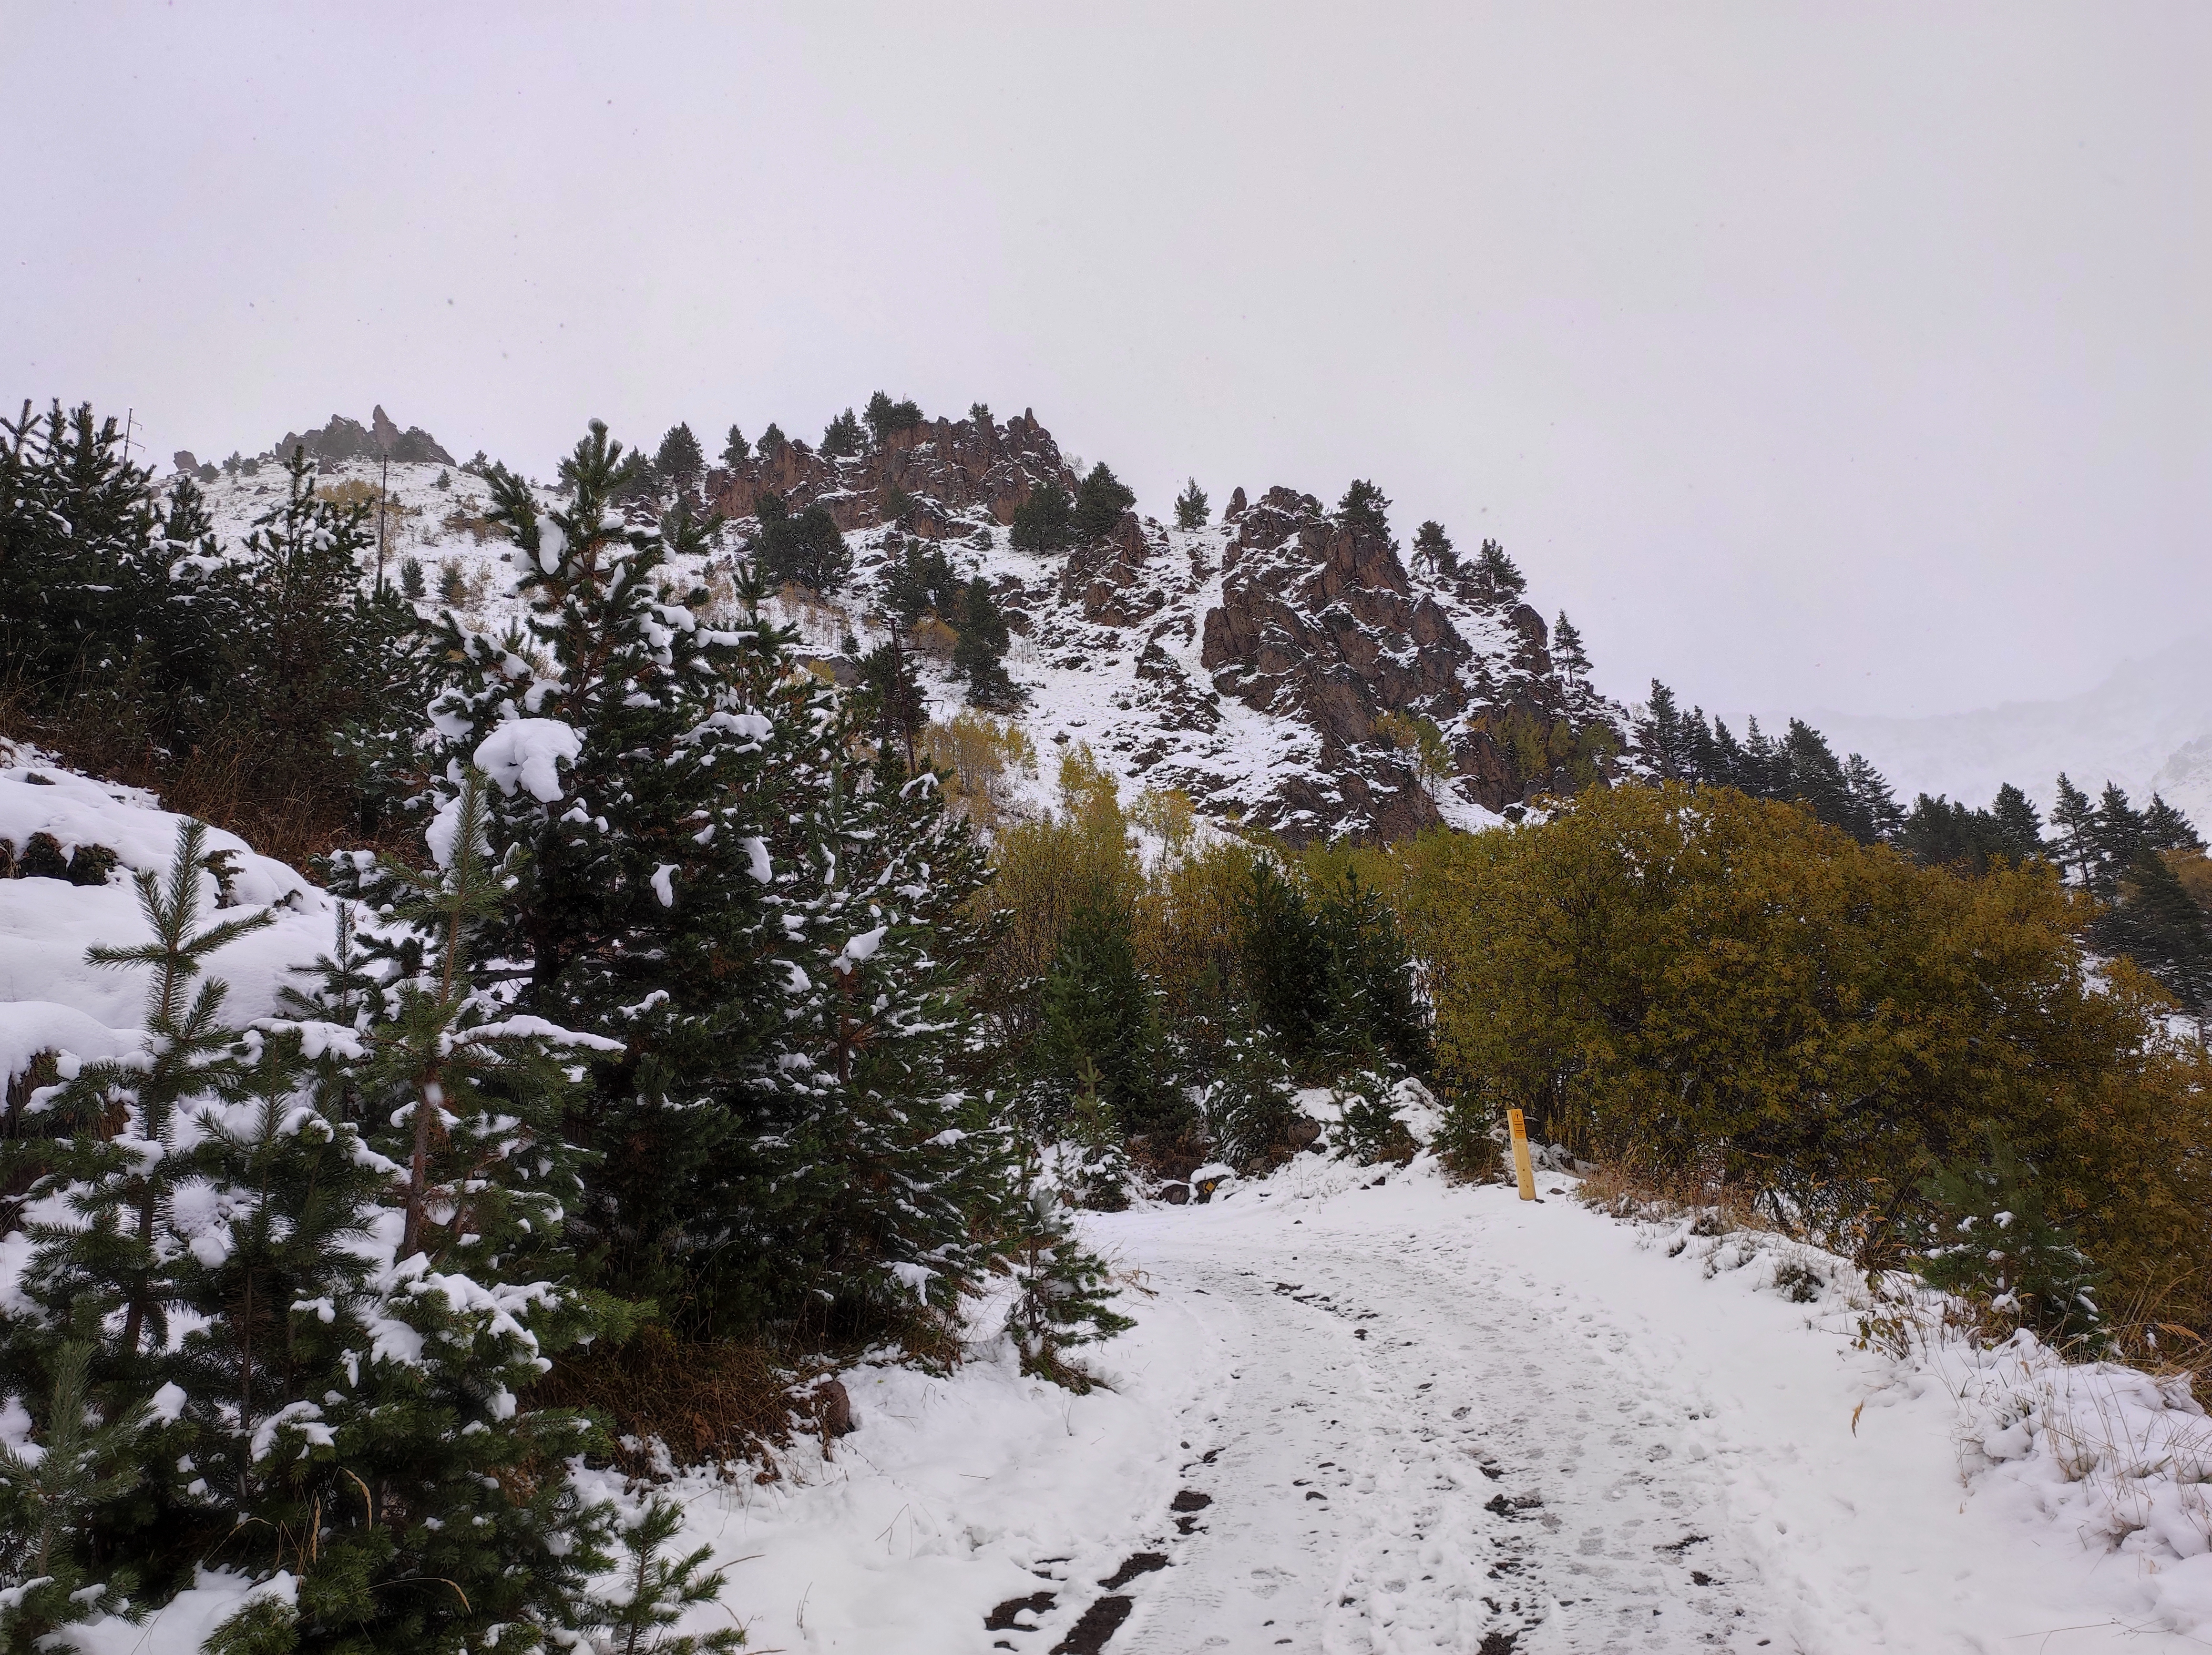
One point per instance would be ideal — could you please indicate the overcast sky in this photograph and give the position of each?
(1809, 356)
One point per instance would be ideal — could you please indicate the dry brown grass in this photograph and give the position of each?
(226, 784)
(1631, 1193)
(708, 1404)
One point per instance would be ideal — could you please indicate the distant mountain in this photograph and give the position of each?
(2147, 727)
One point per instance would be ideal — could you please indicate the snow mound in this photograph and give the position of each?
(51, 996)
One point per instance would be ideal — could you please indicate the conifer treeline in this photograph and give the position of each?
(2140, 863)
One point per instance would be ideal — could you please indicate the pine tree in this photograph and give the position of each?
(47, 1501)
(892, 705)
(763, 928)
(2118, 835)
(1730, 765)
(1369, 1129)
(886, 417)
(1045, 522)
(2165, 829)
(641, 761)
(1062, 1294)
(1701, 751)
(1286, 964)
(807, 549)
(1099, 1010)
(2018, 824)
(1099, 503)
(1567, 650)
(1993, 1237)
(980, 655)
(1191, 508)
(74, 514)
(1815, 780)
(1246, 1106)
(2075, 820)
(655, 1589)
(1662, 737)
(841, 437)
(1874, 812)
(1433, 547)
(980, 415)
(773, 441)
(1765, 771)
(680, 460)
(2160, 926)
(894, 1180)
(1093, 1169)
(736, 451)
(308, 653)
(1501, 579)
(1364, 510)
(311, 1402)
(1374, 1014)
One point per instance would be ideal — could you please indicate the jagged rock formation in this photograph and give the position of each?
(947, 468)
(1252, 664)
(343, 439)
(1323, 623)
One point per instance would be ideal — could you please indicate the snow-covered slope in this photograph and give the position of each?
(1249, 664)
(48, 994)
(2148, 727)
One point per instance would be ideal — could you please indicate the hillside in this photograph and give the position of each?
(1245, 663)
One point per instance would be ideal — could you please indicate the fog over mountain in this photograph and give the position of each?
(2148, 727)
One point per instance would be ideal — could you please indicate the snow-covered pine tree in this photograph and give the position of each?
(304, 1397)
(50, 1489)
(74, 515)
(653, 1590)
(1991, 1236)
(894, 1180)
(1092, 1159)
(1062, 1294)
(465, 1297)
(1246, 1106)
(639, 757)
(317, 671)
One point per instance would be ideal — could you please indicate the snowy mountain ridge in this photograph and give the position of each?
(1274, 666)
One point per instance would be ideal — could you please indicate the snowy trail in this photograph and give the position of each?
(1412, 1457)
(1364, 1418)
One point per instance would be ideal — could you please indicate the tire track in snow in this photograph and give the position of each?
(1417, 1452)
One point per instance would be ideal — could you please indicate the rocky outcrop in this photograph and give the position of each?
(1321, 623)
(946, 469)
(1287, 672)
(344, 439)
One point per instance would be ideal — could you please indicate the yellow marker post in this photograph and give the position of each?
(1522, 1168)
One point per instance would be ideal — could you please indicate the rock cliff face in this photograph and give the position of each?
(950, 468)
(1278, 667)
